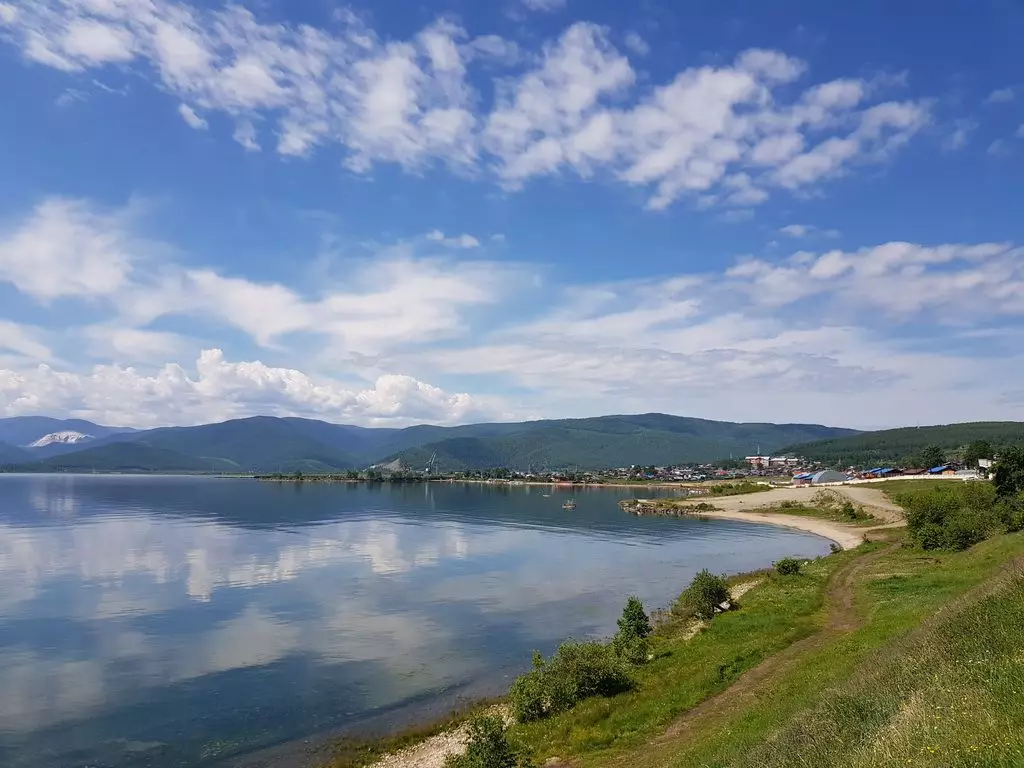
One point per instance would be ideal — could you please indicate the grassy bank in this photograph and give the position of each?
(831, 654)
(884, 655)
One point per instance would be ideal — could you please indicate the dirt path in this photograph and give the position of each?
(744, 691)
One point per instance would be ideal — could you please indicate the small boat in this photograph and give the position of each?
(570, 504)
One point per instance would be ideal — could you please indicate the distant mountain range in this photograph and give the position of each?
(265, 444)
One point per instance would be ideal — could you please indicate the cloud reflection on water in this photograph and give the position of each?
(235, 599)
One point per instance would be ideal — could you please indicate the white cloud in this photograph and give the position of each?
(132, 344)
(8, 13)
(245, 134)
(66, 249)
(1002, 95)
(1000, 148)
(577, 108)
(960, 135)
(1020, 132)
(460, 241)
(807, 230)
(23, 340)
(544, 6)
(194, 120)
(93, 43)
(219, 389)
(397, 298)
(636, 44)
(792, 338)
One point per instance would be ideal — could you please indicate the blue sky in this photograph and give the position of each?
(390, 213)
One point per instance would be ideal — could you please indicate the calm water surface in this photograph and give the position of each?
(159, 621)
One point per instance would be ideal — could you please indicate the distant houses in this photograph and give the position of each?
(819, 478)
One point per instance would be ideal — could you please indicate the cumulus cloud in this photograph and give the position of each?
(460, 241)
(575, 108)
(807, 230)
(65, 248)
(544, 6)
(219, 389)
(790, 337)
(192, 118)
(69, 249)
(636, 44)
(960, 135)
(1002, 95)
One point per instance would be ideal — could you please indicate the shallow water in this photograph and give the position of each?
(168, 621)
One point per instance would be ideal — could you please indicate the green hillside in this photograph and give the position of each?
(129, 457)
(903, 446)
(259, 443)
(267, 444)
(608, 442)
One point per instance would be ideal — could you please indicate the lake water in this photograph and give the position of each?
(167, 621)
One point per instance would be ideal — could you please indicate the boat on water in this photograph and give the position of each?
(570, 504)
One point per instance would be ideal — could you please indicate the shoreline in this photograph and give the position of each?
(753, 508)
(846, 536)
(310, 751)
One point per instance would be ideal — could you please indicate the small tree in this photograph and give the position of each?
(630, 642)
(634, 619)
(1008, 477)
(488, 747)
(979, 449)
(933, 456)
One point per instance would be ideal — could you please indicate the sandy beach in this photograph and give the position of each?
(746, 508)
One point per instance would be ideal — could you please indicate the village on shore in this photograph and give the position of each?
(773, 470)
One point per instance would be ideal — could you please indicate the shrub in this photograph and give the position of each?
(955, 516)
(488, 747)
(706, 592)
(577, 671)
(834, 548)
(634, 619)
(630, 642)
(787, 566)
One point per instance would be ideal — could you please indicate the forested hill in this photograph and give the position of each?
(264, 444)
(908, 446)
(609, 441)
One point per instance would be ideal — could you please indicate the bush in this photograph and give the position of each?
(787, 566)
(706, 592)
(955, 516)
(577, 671)
(488, 747)
(834, 548)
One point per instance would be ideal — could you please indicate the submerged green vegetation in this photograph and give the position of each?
(887, 655)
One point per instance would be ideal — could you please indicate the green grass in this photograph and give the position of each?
(949, 694)
(686, 671)
(831, 512)
(894, 595)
